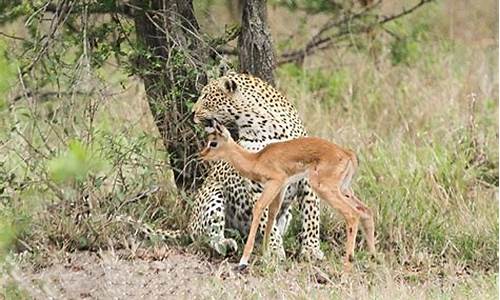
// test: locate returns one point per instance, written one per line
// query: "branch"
(227, 51)
(139, 196)
(310, 48)
(14, 37)
(125, 9)
(317, 42)
(47, 95)
(404, 12)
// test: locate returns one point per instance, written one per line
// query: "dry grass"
(169, 273)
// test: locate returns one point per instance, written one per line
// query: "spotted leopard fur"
(261, 115)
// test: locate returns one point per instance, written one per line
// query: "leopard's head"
(221, 100)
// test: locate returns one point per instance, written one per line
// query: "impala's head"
(219, 141)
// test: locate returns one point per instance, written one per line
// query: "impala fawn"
(328, 167)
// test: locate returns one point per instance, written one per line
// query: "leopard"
(257, 114)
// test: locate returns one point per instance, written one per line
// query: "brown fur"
(329, 168)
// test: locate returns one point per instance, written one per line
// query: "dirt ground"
(175, 274)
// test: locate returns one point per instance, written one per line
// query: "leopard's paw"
(224, 246)
(311, 253)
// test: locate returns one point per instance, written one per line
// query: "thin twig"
(404, 12)
(12, 36)
(47, 95)
(125, 9)
(139, 196)
(56, 23)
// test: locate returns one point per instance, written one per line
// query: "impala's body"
(290, 158)
(328, 167)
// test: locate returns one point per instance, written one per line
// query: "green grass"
(428, 161)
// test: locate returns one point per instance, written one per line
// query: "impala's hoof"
(241, 268)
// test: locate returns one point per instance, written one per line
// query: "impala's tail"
(346, 191)
(351, 167)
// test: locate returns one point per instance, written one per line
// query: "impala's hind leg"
(320, 182)
(367, 222)
(351, 217)
(341, 198)
(345, 192)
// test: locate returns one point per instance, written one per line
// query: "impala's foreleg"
(271, 190)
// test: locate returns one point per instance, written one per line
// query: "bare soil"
(172, 273)
(176, 275)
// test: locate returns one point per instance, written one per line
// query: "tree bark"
(256, 52)
(171, 64)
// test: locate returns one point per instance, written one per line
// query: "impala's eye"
(212, 144)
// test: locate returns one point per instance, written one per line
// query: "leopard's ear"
(228, 85)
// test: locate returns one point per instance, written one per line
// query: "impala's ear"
(229, 86)
(226, 134)
(222, 131)
(209, 130)
(210, 126)
(218, 128)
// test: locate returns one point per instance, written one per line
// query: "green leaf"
(76, 163)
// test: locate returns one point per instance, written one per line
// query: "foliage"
(13, 291)
(328, 85)
(428, 156)
(76, 164)
(406, 48)
(7, 73)
(7, 235)
(312, 6)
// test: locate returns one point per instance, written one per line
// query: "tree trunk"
(171, 64)
(256, 52)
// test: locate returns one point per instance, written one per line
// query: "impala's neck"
(242, 160)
